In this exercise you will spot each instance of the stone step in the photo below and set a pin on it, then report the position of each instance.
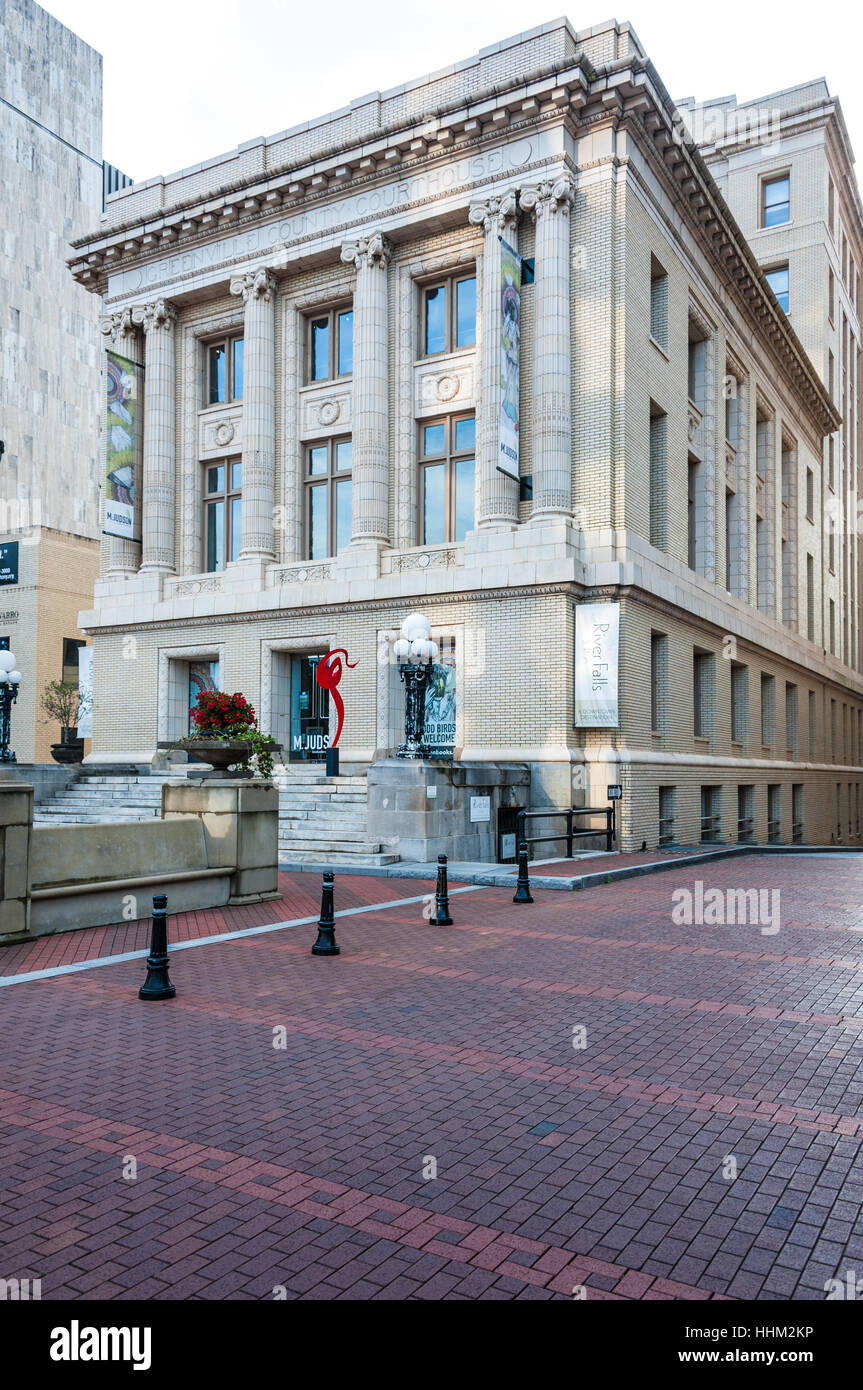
(288, 854)
(320, 820)
(329, 845)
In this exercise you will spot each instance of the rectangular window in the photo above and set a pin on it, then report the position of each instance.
(797, 813)
(777, 279)
(810, 495)
(775, 201)
(330, 345)
(225, 371)
(711, 813)
(702, 693)
(739, 703)
(774, 813)
(831, 294)
(658, 681)
(813, 727)
(69, 670)
(328, 497)
(768, 711)
(223, 513)
(745, 814)
(658, 303)
(791, 719)
(447, 479)
(666, 815)
(692, 514)
(449, 315)
(832, 627)
(658, 477)
(810, 597)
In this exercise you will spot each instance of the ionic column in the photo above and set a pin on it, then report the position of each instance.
(159, 320)
(497, 495)
(258, 288)
(123, 555)
(551, 399)
(370, 493)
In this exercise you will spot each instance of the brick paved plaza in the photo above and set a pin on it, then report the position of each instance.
(301, 1167)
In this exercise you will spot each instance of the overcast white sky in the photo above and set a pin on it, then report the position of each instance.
(188, 79)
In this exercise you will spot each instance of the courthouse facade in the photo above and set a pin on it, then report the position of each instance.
(353, 410)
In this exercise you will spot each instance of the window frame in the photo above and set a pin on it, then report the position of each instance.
(779, 176)
(226, 495)
(449, 458)
(773, 270)
(448, 283)
(328, 481)
(332, 314)
(227, 341)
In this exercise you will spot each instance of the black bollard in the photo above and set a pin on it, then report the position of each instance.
(522, 891)
(326, 942)
(157, 984)
(441, 917)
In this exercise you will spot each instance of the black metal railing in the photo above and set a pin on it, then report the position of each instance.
(572, 832)
(666, 830)
(745, 829)
(710, 827)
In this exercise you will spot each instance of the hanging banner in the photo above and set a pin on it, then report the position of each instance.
(510, 315)
(439, 726)
(85, 692)
(597, 639)
(121, 517)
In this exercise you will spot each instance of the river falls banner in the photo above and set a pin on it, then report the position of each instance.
(597, 637)
(510, 314)
(121, 515)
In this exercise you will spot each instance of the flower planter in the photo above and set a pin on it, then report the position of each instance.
(70, 749)
(221, 754)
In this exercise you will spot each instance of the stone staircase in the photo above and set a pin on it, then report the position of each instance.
(321, 819)
(108, 796)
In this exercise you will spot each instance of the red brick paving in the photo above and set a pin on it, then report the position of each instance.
(302, 1167)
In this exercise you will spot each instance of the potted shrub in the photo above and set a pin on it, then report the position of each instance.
(60, 705)
(226, 735)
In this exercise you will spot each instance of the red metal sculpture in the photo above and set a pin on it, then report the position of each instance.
(328, 675)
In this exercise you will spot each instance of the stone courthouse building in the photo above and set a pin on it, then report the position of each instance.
(336, 359)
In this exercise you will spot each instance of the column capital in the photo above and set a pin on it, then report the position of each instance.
(494, 214)
(548, 197)
(257, 285)
(367, 252)
(116, 326)
(159, 316)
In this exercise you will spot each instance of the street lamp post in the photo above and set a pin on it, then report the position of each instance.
(10, 679)
(416, 654)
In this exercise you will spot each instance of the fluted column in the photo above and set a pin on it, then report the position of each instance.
(258, 288)
(370, 492)
(123, 555)
(159, 321)
(497, 495)
(551, 398)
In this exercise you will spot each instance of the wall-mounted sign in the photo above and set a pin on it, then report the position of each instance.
(480, 808)
(510, 331)
(121, 517)
(615, 792)
(597, 639)
(9, 563)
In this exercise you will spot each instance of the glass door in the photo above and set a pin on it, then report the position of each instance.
(310, 711)
(203, 675)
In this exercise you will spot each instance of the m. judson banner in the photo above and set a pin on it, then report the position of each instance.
(121, 518)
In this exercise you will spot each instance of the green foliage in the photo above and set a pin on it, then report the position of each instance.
(59, 703)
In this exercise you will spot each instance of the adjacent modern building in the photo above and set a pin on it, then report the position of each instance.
(508, 346)
(50, 356)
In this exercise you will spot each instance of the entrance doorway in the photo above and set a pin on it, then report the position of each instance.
(310, 711)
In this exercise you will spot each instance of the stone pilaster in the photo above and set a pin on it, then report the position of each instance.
(370, 494)
(121, 556)
(159, 321)
(497, 495)
(551, 398)
(258, 289)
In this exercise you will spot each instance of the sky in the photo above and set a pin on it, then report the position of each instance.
(185, 80)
